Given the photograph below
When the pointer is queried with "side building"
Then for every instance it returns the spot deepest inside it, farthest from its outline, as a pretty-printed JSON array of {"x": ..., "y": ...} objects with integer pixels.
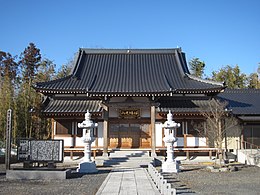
[
  {"x": 244, "y": 105},
  {"x": 128, "y": 92}
]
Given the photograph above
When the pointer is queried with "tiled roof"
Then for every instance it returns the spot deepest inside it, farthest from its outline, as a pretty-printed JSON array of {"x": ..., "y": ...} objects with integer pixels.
[
  {"x": 137, "y": 72},
  {"x": 242, "y": 101},
  {"x": 71, "y": 106},
  {"x": 182, "y": 105}
]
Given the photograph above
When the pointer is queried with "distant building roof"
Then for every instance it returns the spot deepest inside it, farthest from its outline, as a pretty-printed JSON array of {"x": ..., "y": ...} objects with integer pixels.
[
  {"x": 182, "y": 105},
  {"x": 242, "y": 101},
  {"x": 130, "y": 72}
]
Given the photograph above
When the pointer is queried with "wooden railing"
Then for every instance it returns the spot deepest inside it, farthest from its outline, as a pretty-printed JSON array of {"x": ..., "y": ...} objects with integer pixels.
[{"x": 248, "y": 145}]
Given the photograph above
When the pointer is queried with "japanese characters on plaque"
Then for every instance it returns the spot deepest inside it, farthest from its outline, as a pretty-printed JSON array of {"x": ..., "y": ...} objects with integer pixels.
[
  {"x": 40, "y": 150},
  {"x": 129, "y": 113}
]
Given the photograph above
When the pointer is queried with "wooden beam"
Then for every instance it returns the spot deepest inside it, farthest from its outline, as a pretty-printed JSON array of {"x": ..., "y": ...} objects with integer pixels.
[
  {"x": 153, "y": 135},
  {"x": 105, "y": 130}
]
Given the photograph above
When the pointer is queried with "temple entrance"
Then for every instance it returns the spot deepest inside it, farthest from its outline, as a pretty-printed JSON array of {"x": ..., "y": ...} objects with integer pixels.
[{"x": 129, "y": 135}]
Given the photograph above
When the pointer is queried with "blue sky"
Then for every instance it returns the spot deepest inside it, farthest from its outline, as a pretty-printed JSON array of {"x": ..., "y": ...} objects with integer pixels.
[{"x": 219, "y": 32}]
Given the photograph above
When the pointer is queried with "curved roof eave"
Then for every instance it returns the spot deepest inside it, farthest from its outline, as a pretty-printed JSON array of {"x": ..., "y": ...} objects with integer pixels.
[
  {"x": 205, "y": 81},
  {"x": 168, "y": 62}
]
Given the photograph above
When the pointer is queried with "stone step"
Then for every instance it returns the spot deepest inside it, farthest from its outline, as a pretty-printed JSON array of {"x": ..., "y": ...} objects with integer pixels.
[
  {"x": 127, "y": 163},
  {"x": 128, "y": 158},
  {"x": 129, "y": 153}
]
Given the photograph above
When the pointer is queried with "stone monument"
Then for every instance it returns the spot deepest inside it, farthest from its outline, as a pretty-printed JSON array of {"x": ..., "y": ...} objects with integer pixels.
[
  {"x": 170, "y": 126},
  {"x": 87, "y": 166}
]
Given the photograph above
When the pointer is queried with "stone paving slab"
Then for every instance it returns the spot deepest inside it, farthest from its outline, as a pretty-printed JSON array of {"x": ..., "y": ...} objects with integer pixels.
[{"x": 123, "y": 181}]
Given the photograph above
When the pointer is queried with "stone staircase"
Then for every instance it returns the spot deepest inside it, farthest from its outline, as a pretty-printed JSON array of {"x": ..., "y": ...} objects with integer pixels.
[{"x": 128, "y": 159}]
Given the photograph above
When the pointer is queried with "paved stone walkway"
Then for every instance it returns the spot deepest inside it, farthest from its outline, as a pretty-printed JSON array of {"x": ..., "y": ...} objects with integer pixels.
[
  {"x": 128, "y": 181},
  {"x": 128, "y": 175}
]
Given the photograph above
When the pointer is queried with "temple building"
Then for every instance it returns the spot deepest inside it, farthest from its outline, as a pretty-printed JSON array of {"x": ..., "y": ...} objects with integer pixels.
[{"x": 129, "y": 92}]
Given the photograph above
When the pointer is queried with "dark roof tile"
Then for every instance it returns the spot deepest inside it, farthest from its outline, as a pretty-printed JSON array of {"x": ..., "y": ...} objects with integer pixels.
[
  {"x": 71, "y": 106},
  {"x": 129, "y": 72},
  {"x": 182, "y": 105},
  {"x": 242, "y": 101}
]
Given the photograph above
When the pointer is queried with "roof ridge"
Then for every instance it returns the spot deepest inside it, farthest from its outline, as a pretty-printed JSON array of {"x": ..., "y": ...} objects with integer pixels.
[
  {"x": 204, "y": 80},
  {"x": 129, "y": 51}
]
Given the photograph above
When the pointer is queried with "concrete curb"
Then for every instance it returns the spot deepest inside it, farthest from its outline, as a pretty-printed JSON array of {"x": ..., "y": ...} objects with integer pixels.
[{"x": 37, "y": 174}]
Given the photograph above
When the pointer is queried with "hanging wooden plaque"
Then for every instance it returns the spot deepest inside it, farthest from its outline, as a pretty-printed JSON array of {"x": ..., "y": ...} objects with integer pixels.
[{"x": 129, "y": 113}]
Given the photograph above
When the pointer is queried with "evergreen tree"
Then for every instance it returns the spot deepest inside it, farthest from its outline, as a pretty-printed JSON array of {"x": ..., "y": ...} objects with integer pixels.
[
  {"x": 253, "y": 81},
  {"x": 46, "y": 71},
  {"x": 197, "y": 67},
  {"x": 231, "y": 76},
  {"x": 64, "y": 71},
  {"x": 8, "y": 78},
  {"x": 30, "y": 61},
  {"x": 42, "y": 125}
]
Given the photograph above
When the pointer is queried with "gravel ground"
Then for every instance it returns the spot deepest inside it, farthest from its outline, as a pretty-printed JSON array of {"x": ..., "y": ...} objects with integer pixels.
[
  {"x": 197, "y": 180},
  {"x": 192, "y": 180},
  {"x": 80, "y": 184}
]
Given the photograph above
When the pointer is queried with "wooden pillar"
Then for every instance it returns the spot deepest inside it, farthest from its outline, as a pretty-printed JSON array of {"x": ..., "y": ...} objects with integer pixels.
[
  {"x": 241, "y": 139},
  {"x": 153, "y": 135},
  {"x": 105, "y": 130},
  {"x": 72, "y": 135},
  {"x": 210, "y": 154},
  {"x": 53, "y": 128},
  {"x": 185, "y": 140}
]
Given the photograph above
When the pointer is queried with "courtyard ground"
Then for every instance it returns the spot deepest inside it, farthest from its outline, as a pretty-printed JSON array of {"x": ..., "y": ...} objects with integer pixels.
[{"x": 194, "y": 179}]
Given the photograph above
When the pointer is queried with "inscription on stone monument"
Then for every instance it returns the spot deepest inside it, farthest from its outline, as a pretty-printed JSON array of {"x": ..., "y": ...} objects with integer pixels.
[
  {"x": 40, "y": 150},
  {"x": 23, "y": 149}
]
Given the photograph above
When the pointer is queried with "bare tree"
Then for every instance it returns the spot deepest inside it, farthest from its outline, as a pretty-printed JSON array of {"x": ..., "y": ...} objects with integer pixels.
[{"x": 218, "y": 121}]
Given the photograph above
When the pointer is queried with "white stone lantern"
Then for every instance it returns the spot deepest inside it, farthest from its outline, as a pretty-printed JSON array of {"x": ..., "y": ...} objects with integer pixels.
[
  {"x": 87, "y": 166},
  {"x": 170, "y": 126}
]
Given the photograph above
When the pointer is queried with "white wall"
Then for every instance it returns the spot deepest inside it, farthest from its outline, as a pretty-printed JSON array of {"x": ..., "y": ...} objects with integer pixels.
[
  {"x": 158, "y": 133},
  {"x": 68, "y": 141},
  {"x": 100, "y": 134},
  {"x": 196, "y": 142}
]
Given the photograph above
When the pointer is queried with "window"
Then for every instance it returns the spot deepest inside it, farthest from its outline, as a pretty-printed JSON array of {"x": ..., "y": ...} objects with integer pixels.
[
  {"x": 195, "y": 127},
  {"x": 63, "y": 127},
  {"x": 179, "y": 131},
  {"x": 252, "y": 134}
]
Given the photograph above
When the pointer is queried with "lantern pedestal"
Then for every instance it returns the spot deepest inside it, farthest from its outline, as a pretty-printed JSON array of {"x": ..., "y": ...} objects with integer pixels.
[
  {"x": 170, "y": 165},
  {"x": 87, "y": 166}
]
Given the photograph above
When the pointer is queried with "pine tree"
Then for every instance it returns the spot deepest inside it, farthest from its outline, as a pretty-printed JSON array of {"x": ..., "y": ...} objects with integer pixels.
[
  {"x": 30, "y": 61},
  {"x": 197, "y": 67},
  {"x": 253, "y": 81},
  {"x": 231, "y": 76}
]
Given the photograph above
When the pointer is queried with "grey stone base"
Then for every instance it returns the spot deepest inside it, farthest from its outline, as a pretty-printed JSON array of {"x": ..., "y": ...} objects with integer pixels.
[
  {"x": 87, "y": 167},
  {"x": 170, "y": 167},
  {"x": 37, "y": 174}
]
